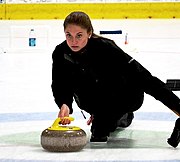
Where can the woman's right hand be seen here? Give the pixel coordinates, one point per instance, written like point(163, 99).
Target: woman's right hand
point(64, 112)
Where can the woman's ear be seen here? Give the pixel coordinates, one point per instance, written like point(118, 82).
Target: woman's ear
point(90, 35)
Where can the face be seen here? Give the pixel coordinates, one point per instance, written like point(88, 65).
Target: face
point(76, 37)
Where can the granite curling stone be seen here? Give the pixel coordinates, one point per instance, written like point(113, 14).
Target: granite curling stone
point(63, 138)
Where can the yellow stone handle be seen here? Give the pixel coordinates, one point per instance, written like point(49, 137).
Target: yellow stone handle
point(56, 122)
point(56, 126)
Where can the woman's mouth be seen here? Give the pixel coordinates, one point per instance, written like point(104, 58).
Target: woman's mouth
point(74, 48)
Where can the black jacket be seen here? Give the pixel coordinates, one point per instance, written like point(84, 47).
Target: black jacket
point(102, 77)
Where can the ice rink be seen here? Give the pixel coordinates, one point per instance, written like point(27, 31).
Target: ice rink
point(27, 106)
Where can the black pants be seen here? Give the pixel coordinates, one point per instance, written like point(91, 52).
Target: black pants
point(105, 123)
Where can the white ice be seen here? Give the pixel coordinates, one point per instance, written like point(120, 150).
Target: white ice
point(25, 89)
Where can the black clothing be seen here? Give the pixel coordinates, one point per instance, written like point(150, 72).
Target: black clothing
point(104, 80)
point(98, 139)
point(175, 136)
point(126, 120)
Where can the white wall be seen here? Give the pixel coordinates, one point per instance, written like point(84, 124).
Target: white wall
point(154, 42)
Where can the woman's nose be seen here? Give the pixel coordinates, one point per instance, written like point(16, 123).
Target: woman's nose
point(74, 40)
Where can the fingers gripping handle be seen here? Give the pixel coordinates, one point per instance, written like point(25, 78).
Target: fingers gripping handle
point(56, 122)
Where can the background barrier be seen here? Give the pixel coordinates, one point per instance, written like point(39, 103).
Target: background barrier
point(42, 11)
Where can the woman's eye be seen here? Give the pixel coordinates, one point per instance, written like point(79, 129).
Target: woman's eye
point(79, 36)
point(68, 35)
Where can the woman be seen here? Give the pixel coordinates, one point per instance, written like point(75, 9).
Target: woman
point(104, 80)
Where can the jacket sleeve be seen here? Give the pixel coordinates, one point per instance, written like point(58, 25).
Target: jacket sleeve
point(142, 78)
point(154, 86)
point(61, 81)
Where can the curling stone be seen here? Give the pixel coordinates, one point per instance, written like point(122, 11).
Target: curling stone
point(63, 138)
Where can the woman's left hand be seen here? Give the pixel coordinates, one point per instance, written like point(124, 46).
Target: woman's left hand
point(90, 120)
